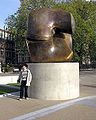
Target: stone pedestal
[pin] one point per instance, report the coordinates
(54, 81)
(0, 68)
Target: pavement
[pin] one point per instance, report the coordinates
(81, 108)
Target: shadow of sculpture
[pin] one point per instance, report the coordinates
(92, 86)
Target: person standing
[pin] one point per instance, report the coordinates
(25, 78)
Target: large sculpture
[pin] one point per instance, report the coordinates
(49, 35)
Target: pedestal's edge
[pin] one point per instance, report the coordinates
(55, 63)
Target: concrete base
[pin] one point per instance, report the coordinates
(0, 68)
(54, 81)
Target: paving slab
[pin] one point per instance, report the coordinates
(76, 112)
(11, 107)
(82, 108)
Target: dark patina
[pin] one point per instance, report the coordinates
(49, 35)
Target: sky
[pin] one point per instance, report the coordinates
(7, 7)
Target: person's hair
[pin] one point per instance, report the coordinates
(24, 64)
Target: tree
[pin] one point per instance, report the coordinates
(85, 21)
(17, 23)
(84, 39)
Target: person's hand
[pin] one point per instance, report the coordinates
(18, 81)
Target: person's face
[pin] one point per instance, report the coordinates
(24, 67)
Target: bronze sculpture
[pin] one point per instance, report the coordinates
(49, 35)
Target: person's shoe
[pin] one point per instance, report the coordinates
(20, 99)
(27, 98)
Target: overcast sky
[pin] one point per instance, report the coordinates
(7, 7)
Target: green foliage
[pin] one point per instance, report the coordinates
(4, 90)
(6, 68)
(84, 44)
(84, 39)
(17, 23)
(14, 84)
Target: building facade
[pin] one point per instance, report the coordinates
(7, 47)
(9, 54)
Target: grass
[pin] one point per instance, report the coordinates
(4, 90)
(14, 84)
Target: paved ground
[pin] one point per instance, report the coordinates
(82, 108)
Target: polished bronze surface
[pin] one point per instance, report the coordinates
(49, 35)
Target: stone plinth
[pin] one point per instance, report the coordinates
(54, 81)
(0, 68)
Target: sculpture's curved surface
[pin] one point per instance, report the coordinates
(49, 35)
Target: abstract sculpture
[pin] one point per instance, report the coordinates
(49, 35)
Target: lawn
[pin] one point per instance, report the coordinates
(14, 84)
(4, 90)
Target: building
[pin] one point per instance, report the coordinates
(7, 47)
(9, 54)
(22, 56)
